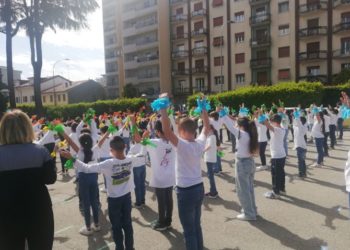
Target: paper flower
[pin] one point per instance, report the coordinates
(53, 154)
(160, 103)
(220, 154)
(224, 112)
(89, 115)
(262, 118)
(243, 112)
(148, 142)
(297, 114)
(202, 104)
(112, 129)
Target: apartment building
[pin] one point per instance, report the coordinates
(219, 45)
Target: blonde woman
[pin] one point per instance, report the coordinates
(25, 170)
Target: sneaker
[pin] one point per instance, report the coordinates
(283, 192)
(96, 228)
(244, 217)
(159, 227)
(315, 165)
(218, 173)
(262, 168)
(211, 196)
(271, 195)
(138, 206)
(152, 223)
(85, 231)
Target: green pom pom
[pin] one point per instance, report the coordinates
(59, 129)
(69, 164)
(148, 142)
(112, 129)
(220, 154)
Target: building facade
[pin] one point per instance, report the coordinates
(219, 45)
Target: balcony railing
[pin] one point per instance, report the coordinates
(261, 62)
(200, 70)
(256, 2)
(180, 72)
(200, 51)
(140, 25)
(313, 31)
(182, 91)
(341, 53)
(177, 1)
(147, 58)
(261, 41)
(179, 54)
(260, 19)
(198, 13)
(339, 2)
(344, 26)
(310, 7)
(179, 36)
(313, 78)
(147, 76)
(199, 32)
(179, 18)
(314, 55)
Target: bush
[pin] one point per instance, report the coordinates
(331, 94)
(290, 93)
(74, 110)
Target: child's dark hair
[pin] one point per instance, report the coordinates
(303, 120)
(117, 143)
(216, 135)
(86, 131)
(188, 125)
(158, 127)
(74, 127)
(214, 115)
(86, 144)
(104, 129)
(276, 118)
(249, 127)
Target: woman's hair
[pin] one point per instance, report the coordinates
(216, 135)
(16, 128)
(86, 144)
(249, 127)
(323, 122)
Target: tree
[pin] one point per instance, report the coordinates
(342, 77)
(130, 91)
(40, 15)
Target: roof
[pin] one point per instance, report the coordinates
(30, 81)
(62, 87)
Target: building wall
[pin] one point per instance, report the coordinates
(90, 91)
(48, 98)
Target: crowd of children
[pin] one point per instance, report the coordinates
(119, 145)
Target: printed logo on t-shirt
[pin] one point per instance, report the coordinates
(165, 160)
(121, 173)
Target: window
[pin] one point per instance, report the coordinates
(219, 80)
(283, 52)
(200, 86)
(218, 3)
(283, 7)
(345, 45)
(239, 17)
(283, 30)
(284, 74)
(44, 99)
(25, 98)
(198, 6)
(240, 78)
(59, 98)
(239, 37)
(218, 41)
(313, 70)
(179, 11)
(198, 44)
(218, 21)
(218, 61)
(51, 98)
(345, 66)
(198, 26)
(64, 97)
(180, 32)
(66, 84)
(239, 58)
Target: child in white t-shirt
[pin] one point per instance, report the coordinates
(347, 176)
(190, 189)
(300, 130)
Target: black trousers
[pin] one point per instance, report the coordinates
(165, 205)
(262, 150)
(325, 143)
(332, 129)
(278, 175)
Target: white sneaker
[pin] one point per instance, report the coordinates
(85, 231)
(244, 217)
(262, 168)
(315, 165)
(271, 195)
(96, 228)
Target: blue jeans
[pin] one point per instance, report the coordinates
(301, 154)
(127, 143)
(210, 169)
(285, 141)
(190, 208)
(140, 188)
(119, 210)
(319, 146)
(245, 170)
(218, 167)
(340, 127)
(88, 189)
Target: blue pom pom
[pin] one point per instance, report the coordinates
(262, 118)
(315, 110)
(296, 114)
(160, 103)
(243, 112)
(224, 112)
(202, 104)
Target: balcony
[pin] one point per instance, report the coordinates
(260, 19)
(200, 70)
(341, 53)
(199, 32)
(179, 36)
(179, 54)
(147, 60)
(180, 72)
(258, 2)
(313, 31)
(341, 27)
(313, 78)
(179, 18)
(313, 56)
(312, 7)
(200, 51)
(199, 13)
(261, 63)
(182, 91)
(336, 3)
(260, 42)
(173, 2)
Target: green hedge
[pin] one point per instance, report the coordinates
(74, 110)
(332, 93)
(290, 93)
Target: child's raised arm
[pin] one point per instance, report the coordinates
(206, 123)
(70, 142)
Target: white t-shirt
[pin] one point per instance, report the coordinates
(135, 150)
(216, 124)
(105, 149)
(118, 174)
(48, 138)
(163, 161)
(347, 173)
(262, 131)
(80, 155)
(210, 154)
(188, 161)
(327, 122)
(316, 130)
(300, 131)
(276, 143)
(75, 139)
(310, 118)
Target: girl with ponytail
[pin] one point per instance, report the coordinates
(318, 132)
(247, 146)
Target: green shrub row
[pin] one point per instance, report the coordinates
(74, 110)
(291, 93)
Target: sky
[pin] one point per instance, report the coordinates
(84, 49)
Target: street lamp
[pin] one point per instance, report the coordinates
(221, 55)
(53, 78)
